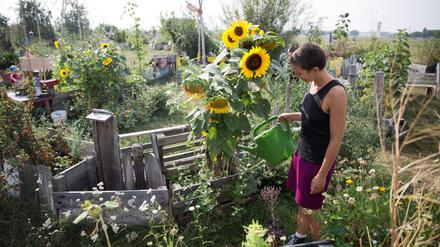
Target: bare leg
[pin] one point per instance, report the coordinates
(314, 219)
(302, 223)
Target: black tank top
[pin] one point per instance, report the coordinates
(315, 126)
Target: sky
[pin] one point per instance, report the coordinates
(413, 15)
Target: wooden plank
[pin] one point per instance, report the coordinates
(180, 156)
(45, 186)
(138, 166)
(352, 75)
(76, 176)
(153, 172)
(170, 130)
(166, 140)
(91, 171)
(146, 146)
(174, 171)
(131, 200)
(127, 167)
(59, 183)
(29, 177)
(183, 146)
(157, 149)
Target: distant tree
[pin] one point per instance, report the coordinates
(183, 33)
(5, 40)
(314, 34)
(75, 18)
(35, 18)
(416, 34)
(271, 15)
(112, 32)
(354, 34)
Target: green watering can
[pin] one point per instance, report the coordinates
(273, 145)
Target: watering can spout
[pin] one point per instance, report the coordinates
(251, 150)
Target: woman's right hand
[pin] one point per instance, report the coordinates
(284, 117)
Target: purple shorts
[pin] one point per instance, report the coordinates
(299, 181)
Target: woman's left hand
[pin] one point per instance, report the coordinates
(318, 184)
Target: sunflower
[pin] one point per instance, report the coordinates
(194, 90)
(229, 42)
(57, 44)
(218, 106)
(64, 73)
(107, 61)
(256, 30)
(104, 45)
(255, 62)
(239, 29)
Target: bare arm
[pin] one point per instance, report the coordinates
(289, 116)
(338, 115)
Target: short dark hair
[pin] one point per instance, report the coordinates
(308, 56)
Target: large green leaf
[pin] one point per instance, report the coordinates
(231, 122)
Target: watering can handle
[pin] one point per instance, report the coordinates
(259, 126)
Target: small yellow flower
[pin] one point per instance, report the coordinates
(107, 61)
(64, 73)
(57, 44)
(104, 45)
(382, 189)
(348, 181)
(408, 197)
(204, 133)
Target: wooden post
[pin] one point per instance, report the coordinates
(138, 160)
(378, 93)
(91, 171)
(106, 139)
(437, 90)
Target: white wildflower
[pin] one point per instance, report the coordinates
(197, 206)
(149, 243)
(359, 188)
(345, 195)
(372, 171)
(100, 184)
(83, 233)
(149, 191)
(115, 228)
(113, 217)
(191, 208)
(351, 200)
(47, 223)
(374, 241)
(101, 199)
(153, 199)
(130, 202)
(283, 238)
(143, 207)
(94, 237)
(67, 213)
(155, 211)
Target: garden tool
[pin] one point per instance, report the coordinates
(273, 145)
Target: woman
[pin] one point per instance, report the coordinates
(323, 120)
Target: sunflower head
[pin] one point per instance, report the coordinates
(256, 30)
(64, 73)
(239, 29)
(194, 89)
(104, 45)
(255, 62)
(229, 42)
(107, 61)
(219, 106)
(57, 44)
